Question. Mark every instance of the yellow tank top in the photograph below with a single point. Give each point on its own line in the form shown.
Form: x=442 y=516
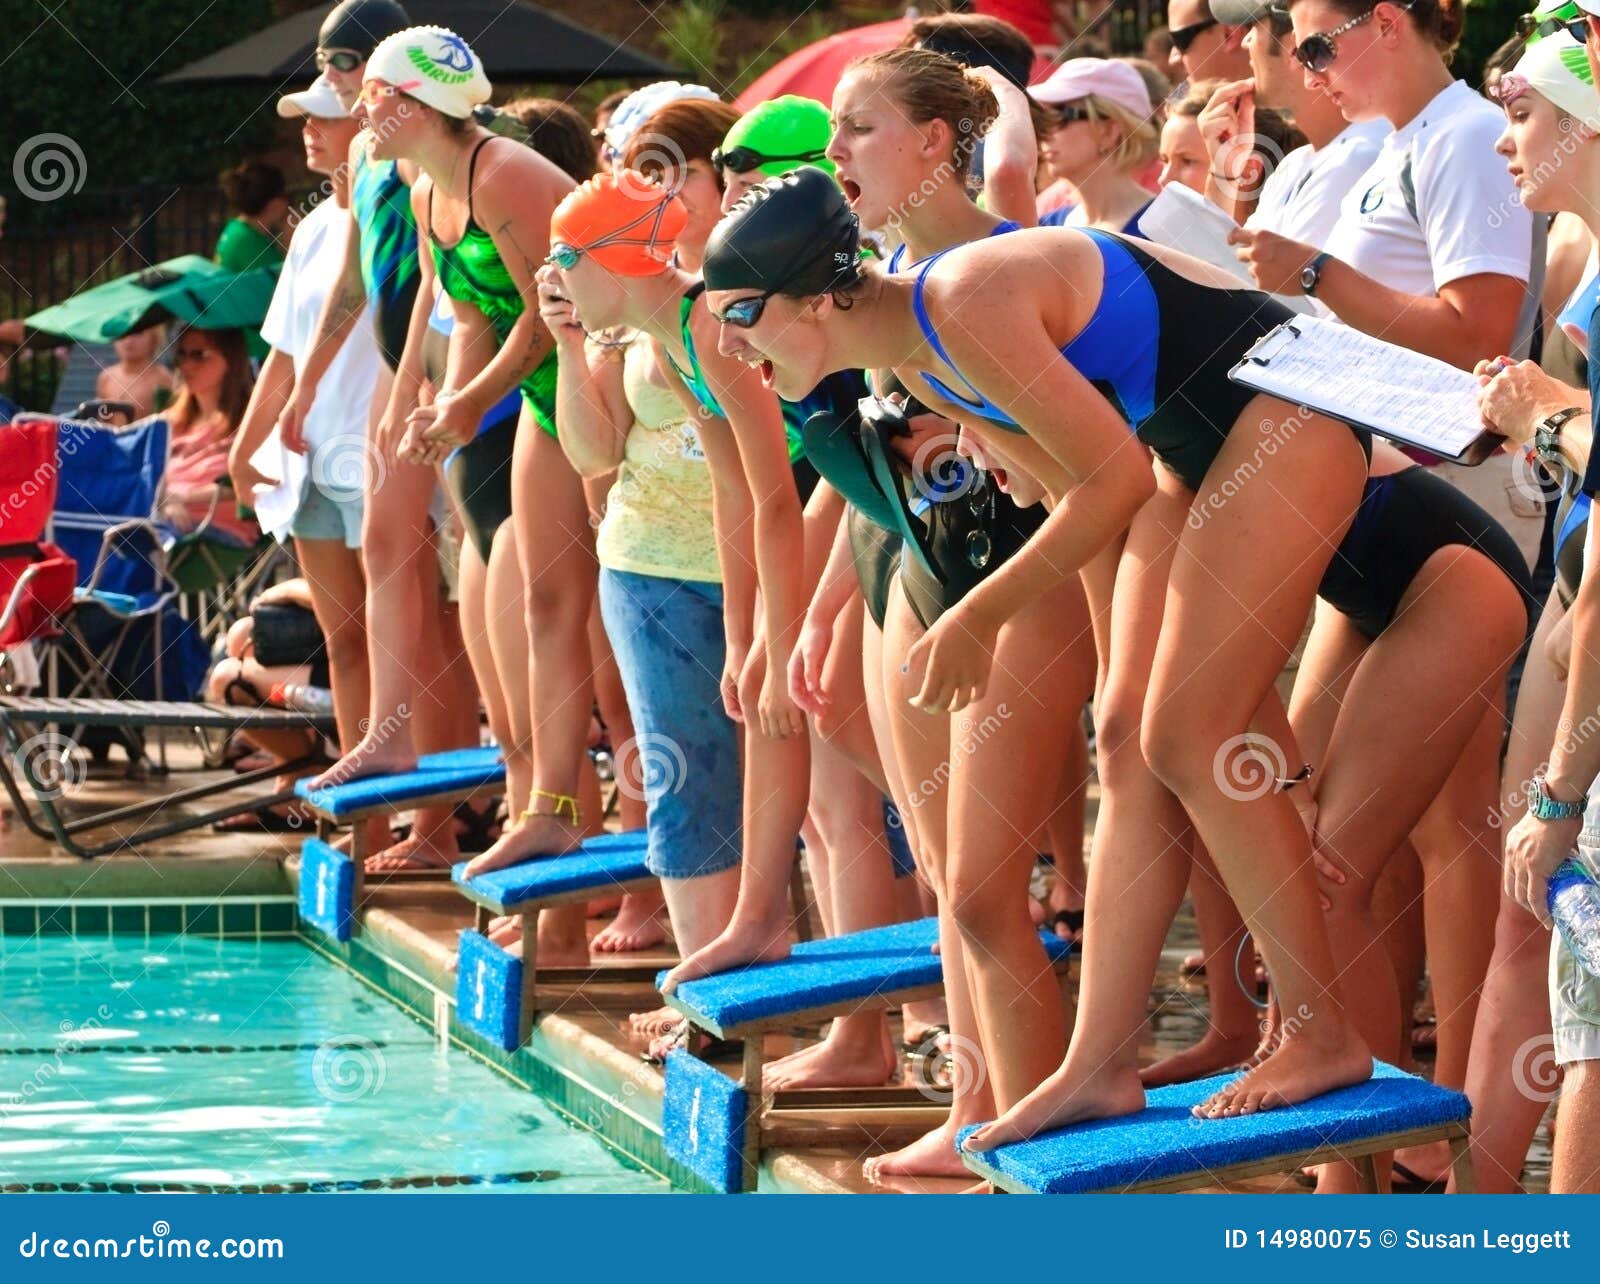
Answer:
x=658 y=514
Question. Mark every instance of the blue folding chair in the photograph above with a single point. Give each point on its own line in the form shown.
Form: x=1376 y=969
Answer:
x=124 y=638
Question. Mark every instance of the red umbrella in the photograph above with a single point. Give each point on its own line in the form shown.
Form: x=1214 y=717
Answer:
x=813 y=72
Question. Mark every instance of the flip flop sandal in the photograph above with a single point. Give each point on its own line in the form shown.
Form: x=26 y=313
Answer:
x=479 y=826
x=1072 y=920
x=1407 y=1182
x=269 y=821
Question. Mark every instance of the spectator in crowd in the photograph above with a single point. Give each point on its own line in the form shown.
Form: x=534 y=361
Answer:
x=138 y=379
x=214 y=383
x=1203 y=46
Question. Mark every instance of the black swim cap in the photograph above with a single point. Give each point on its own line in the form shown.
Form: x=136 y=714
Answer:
x=793 y=235
x=358 y=25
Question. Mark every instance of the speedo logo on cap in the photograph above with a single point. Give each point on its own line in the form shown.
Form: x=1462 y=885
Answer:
x=452 y=65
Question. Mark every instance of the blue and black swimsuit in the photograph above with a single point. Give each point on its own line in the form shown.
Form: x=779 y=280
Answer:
x=1158 y=347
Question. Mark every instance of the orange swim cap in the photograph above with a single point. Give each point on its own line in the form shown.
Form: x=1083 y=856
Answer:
x=624 y=222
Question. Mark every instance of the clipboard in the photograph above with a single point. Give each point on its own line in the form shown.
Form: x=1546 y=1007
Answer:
x=1311 y=362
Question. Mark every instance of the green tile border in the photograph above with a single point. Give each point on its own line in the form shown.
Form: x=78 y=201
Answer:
x=236 y=918
x=562 y=1087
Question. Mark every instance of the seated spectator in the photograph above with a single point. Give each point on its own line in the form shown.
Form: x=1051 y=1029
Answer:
x=138 y=378
x=213 y=389
x=276 y=647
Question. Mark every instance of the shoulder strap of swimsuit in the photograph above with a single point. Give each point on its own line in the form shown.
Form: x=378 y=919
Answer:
x=925 y=323
x=472 y=171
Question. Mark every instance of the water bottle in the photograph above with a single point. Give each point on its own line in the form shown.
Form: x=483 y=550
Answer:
x=1574 y=902
x=317 y=701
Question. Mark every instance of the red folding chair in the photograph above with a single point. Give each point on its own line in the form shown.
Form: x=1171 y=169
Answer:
x=36 y=578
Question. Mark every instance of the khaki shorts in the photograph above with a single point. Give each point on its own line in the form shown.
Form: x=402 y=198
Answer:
x=1574 y=992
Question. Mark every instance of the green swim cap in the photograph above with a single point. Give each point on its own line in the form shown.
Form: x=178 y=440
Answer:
x=776 y=137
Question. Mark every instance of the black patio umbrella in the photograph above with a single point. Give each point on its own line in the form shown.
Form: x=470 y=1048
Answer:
x=517 y=42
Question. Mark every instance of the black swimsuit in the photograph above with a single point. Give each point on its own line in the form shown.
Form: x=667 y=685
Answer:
x=1404 y=519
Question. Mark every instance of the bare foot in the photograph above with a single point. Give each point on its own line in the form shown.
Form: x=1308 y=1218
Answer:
x=1214 y=1053
x=1066 y=1097
x=413 y=853
x=637 y=926
x=1296 y=1071
x=738 y=946
x=933 y=1155
x=602 y=905
x=653 y=1024
x=836 y=1062
x=373 y=755
x=535 y=836
x=505 y=929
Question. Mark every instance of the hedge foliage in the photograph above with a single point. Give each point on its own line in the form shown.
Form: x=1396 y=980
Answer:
x=88 y=69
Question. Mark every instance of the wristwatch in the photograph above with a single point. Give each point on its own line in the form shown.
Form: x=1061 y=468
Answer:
x=1311 y=273
x=1547 y=436
x=1541 y=806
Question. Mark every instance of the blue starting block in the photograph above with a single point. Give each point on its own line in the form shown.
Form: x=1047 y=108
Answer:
x=327 y=889
x=497 y=993
x=1165 y=1148
x=882 y=967
x=439 y=779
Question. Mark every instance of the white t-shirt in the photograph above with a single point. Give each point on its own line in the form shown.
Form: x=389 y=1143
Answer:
x=336 y=427
x=1469 y=219
x=1302 y=197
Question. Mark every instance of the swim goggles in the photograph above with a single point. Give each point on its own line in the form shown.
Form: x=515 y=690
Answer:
x=565 y=256
x=346 y=60
x=741 y=160
x=1569 y=18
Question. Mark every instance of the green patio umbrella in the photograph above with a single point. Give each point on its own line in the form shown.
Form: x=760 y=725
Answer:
x=189 y=289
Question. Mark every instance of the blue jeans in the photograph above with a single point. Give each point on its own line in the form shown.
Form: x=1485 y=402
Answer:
x=668 y=640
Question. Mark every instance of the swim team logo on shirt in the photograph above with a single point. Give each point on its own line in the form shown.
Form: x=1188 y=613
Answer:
x=452 y=65
x=1372 y=198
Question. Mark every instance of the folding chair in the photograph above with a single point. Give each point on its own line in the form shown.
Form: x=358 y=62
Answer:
x=37 y=579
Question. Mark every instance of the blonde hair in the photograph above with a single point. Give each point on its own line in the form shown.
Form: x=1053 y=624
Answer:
x=1140 y=138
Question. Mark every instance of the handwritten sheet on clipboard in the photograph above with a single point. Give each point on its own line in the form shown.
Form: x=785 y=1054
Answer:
x=1347 y=375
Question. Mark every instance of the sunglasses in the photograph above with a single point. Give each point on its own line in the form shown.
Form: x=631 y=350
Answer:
x=1071 y=115
x=741 y=160
x=1317 y=52
x=1183 y=37
x=1574 y=25
x=345 y=60
x=196 y=354
x=741 y=314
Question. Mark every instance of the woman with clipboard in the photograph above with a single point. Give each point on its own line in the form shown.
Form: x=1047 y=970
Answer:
x=1036 y=328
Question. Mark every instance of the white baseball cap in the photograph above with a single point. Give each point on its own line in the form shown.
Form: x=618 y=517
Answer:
x=435 y=66
x=319 y=100
x=1106 y=78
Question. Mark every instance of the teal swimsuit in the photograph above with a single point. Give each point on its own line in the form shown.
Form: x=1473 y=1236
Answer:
x=381 y=202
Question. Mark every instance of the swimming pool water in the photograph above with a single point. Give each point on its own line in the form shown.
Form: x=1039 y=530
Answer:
x=226 y=1063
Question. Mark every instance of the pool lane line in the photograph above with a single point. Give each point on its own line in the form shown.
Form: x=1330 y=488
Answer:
x=163 y=1048
x=281 y=1187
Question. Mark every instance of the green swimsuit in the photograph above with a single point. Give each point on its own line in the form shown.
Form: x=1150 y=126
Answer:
x=471 y=271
